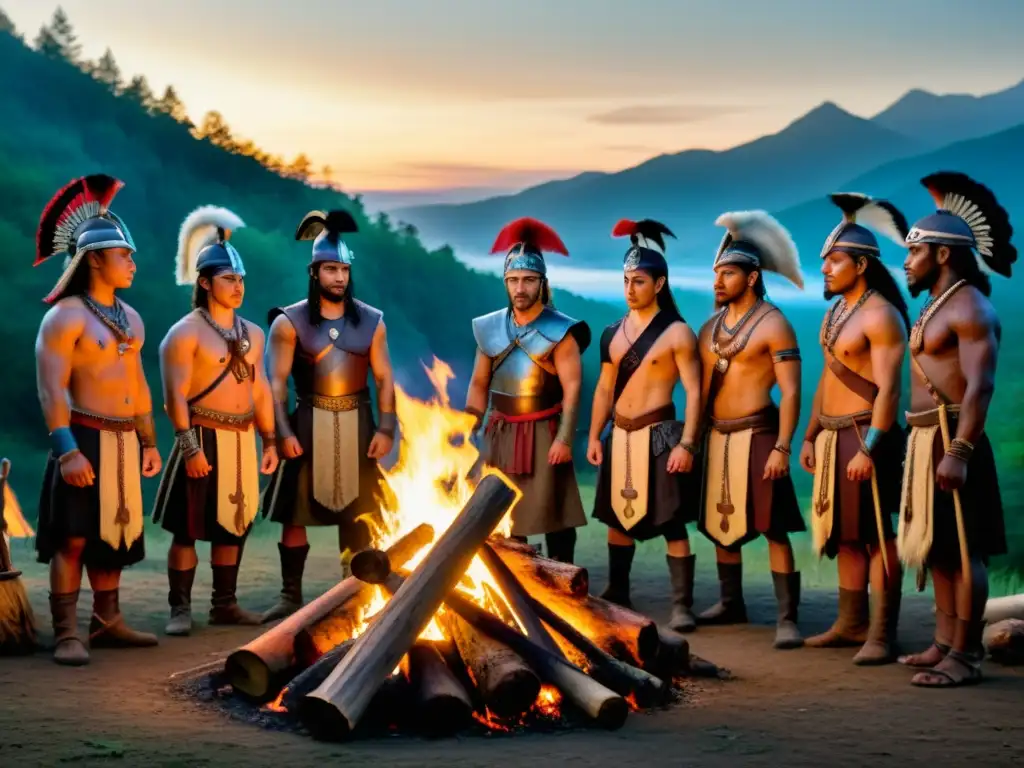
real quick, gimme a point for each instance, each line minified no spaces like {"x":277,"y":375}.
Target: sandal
{"x":939,"y":677}
{"x":928,"y":658}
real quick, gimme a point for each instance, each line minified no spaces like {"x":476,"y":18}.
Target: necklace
{"x":237,"y":339}
{"x":931,"y":306}
{"x":739,"y":343}
{"x":115,"y":318}
{"x":732,"y":331}
{"x":834,"y":326}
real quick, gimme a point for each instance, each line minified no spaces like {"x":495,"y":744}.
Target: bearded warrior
{"x":951,"y":516}
{"x":528,"y":368}
{"x":98,"y":409}
{"x":217,"y":395}
{"x":854,"y":444}
{"x":327,"y":343}
{"x":747,"y":348}
{"x":646,"y":487}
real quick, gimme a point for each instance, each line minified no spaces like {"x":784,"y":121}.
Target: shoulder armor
{"x":554,"y":325}
{"x":289,"y":312}
{"x":490,"y":332}
{"x":606,"y":341}
{"x":357,"y":339}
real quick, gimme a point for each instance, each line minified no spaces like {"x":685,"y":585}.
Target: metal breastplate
{"x":331,"y":358}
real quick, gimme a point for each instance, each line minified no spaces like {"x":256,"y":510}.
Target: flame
{"x":17,"y":526}
{"x":430,"y":483}
{"x":548,"y":701}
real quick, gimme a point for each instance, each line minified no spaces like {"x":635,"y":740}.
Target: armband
{"x":477,"y":415}
{"x":786,"y":355}
{"x":690,"y":448}
{"x":871,"y":439}
{"x":269,"y":439}
{"x":187,"y":442}
{"x":388,"y":421}
{"x":567,"y":426}
{"x":784,"y":450}
{"x":146,"y":430}
{"x":62,"y":442}
{"x":960,"y":449}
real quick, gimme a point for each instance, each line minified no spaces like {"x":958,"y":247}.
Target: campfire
{"x":447,"y":624}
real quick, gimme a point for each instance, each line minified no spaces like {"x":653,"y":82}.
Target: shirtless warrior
{"x":99,"y":412}
{"x":327,"y":343}
{"x":954,"y":346}
{"x":646,"y":487}
{"x":747,"y":348}
{"x":854,"y":445}
{"x":215,"y":389}
{"x":528,"y":365}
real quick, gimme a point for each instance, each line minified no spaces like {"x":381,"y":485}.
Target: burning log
{"x":314,"y":675}
{"x":313,"y":642}
{"x":620,"y":632}
{"x":673,"y":657}
{"x":620,"y":677}
{"x":1004,"y":641}
{"x":333,"y":710}
{"x":443,"y":706}
{"x":506,"y":684}
{"x":606,"y":707}
{"x":525,"y":562}
{"x":260,"y":668}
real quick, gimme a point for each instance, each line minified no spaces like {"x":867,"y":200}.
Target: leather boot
{"x":108,"y":628}
{"x":179,"y":596}
{"x":620,"y":563}
{"x":293,"y":562}
{"x":680,"y":570}
{"x":787,"y":593}
{"x":68,"y":646}
{"x":730,"y":609}
{"x":851,"y":626}
{"x":880,"y":647}
{"x":561,"y":545}
{"x":225,"y":608}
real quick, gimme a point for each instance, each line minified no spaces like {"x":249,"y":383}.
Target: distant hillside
{"x":938,"y":120}
{"x":686,"y":190}
{"x":60,"y":123}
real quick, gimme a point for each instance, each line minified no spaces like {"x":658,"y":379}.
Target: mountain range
{"x":826,"y":150}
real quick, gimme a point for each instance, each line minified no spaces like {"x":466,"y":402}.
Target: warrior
{"x":646,"y":487}
{"x":215,"y":389}
{"x":951,"y":518}
{"x":746,"y":349}
{"x":98,"y":409}
{"x":854,"y":444}
{"x":327,"y":343}
{"x":528,"y":366}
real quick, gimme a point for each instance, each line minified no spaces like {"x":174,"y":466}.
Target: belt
{"x":206,"y":417}
{"x":762,"y":421}
{"x":835,"y":423}
{"x":522,"y":405}
{"x":930,"y":418}
{"x":336,"y":403}
{"x":664,"y":413}
{"x":521,"y":418}
{"x":102,"y":423}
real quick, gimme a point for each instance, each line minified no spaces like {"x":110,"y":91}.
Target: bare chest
{"x":101,"y":347}
{"x":657,"y":361}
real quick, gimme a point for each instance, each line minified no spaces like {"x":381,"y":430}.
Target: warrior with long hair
{"x":747,"y":348}
{"x":329,"y":343}
{"x":951,"y":520}
{"x":217,"y":396}
{"x":528,"y":369}
{"x":854,"y":443}
{"x":99,"y":411}
{"x":646,"y":485}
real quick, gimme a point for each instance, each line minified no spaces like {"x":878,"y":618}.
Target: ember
{"x":454,"y":626}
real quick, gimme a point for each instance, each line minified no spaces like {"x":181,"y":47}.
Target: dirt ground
{"x":781,"y":707}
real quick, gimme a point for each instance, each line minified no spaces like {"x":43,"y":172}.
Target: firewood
{"x":334,"y":709}
{"x":260,"y":668}
{"x":525,"y":562}
{"x":1004,"y":641}
{"x":1009,"y":607}
{"x":314,"y":641}
{"x":517,"y":598}
{"x":314,"y":675}
{"x":443,"y":707}
{"x":673,"y":656}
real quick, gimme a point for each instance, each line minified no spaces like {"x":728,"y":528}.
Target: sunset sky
{"x":415,"y":94}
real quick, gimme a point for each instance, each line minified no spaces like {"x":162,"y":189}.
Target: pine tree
{"x":6,"y":25}
{"x":107,"y":72}
{"x":171,"y":105}
{"x":299,"y":167}
{"x":216,"y":131}
{"x":138,"y":90}
{"x":327,"y":176}
{"x":47,"y":44}
{"x":64,"y":34}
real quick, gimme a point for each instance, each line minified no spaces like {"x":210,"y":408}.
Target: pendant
{"x":333,"y":333}
{"x":721,"y":365}
{"x":244,"y":346}
{"x":122,"y":348}
{"x":725,"y":509}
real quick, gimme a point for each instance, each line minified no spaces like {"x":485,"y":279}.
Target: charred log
{"x":524,"y":561}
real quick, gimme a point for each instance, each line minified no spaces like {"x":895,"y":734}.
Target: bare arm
{"x":263,"y":399}
{"x":280,"y":357}
{"x":688,"y":364}
{"x":479,"y":383}
{"x":785,"y":353}
{"x":978,"y":346}
{"x":601,"y":408}
{"x":703,"y":339}
{"x":59,"y":332}
{"x":177,"y":351}
{"x":888,"y":341}
{"x":569,"y":368}
{"x":145,"y":427}
{"x":383,"y":375}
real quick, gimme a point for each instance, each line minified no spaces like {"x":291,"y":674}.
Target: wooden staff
{"x":965,"y":558}
{"x":878,"y":505}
